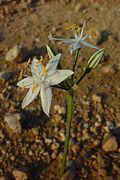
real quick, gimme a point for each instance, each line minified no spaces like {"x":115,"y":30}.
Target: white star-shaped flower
{"x":41,"y":81}
{"x":77,"y":42}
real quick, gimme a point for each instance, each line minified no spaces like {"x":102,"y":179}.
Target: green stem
{"x":83,"y":75}
{"x":68,"y":125}
{"x":75,"y":62}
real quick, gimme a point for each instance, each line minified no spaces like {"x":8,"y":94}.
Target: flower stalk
{"x":70,"y":95}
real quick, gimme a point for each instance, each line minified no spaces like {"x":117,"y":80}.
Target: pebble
{"x":4,"y":178}
{"x":13,"y":121}
{"x":102,"y":172}
{"x":5,"y":76}
{"x":100,"y":161}
{"x":78,"y":7}
{"x":59,"y":109}
{"x":62,"y":136}
{"x":110,"y":125}
{"x":97,"y":124}
{"x":69,"y":175}
{"x":54,"y":154}
{"x":85,"y":125}
{"x":109,"y":143}
{"x":107,"y":69}
{"x":74,"y":149}
{"x":19,"y":175}
{"x":2,"y":136}
{"x":96,"y":98}
{"x":93,"y":129}
{"x":35,"y":131}
{"x":55,"y":146}
{"x":13,"y":53}
{"x":48,"y":141}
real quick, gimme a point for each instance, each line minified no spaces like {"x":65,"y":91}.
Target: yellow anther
{"x":34,"y":87}
{"x":70,"y":26}
{"x":93,"y":32}
{"x":43,"y":68}
{"x":41,"y":58}
{"x":20,"y":75}
{"x":27,"y":64}
{"x":44,"y":71}
{"x":74,"y":27}
{"x":23,"y":87}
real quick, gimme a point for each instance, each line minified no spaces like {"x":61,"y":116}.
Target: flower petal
{"x":75,"y":46}
{"x":36,"y":67}
{"x":65,"y":40}
{"x":52,"y":64}
{"x":58,"y":77}
{"x":89,"y":45}
{"x":46,"y":97}
{"x":26,"y":82}
{"x":30,"y":96}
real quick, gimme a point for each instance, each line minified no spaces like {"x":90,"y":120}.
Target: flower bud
{"x":95,"y":59}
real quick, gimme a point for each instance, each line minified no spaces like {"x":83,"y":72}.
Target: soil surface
{"x":31,"y":144}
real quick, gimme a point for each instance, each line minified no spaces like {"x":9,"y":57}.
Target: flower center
{"x":35,"y":85}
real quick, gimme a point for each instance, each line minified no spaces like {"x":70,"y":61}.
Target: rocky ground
{"x":31,"y":145}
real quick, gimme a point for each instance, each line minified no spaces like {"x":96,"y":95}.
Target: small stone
{"x":107,"y":69}
{"x":96,"y":142}
{"x":19,"y":175}
{"x":69,"y":175}
{"x":85,"y":125}
{"x":102,"y":172}
{"x":97,"y":124}
{"x":109,"y":143}
{"x":13,"y":121}
{"x":54,"y":154}
{"x":96,"y":98}
{"x":35,"y":131}
{"x":4,"y":178}
{"x":5,"y":76}
{"x":93,"y":129}
{"x":48,"y":141}
{"x":78,"y":7}
{"x":110,"y":125}
{"x":2,"y":136}
{"x":74,"y":149}
{"x":62,"y":136}
{"x":13,"y":53}
{"x":100,"y":161}
{"x":30,"y":153}
{"x":55,"y":146}
{"x":59,"y":109}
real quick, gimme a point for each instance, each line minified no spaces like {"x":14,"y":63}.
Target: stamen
{"x":23,"y":87}
{"x":34,"y":87}
{"x":93,"y":33}
{"x":44,"y":71}
{"x":43,"y":68}
{"x":28,"y":63}
{"x":20,"y":75}
{"x":73,"y":27}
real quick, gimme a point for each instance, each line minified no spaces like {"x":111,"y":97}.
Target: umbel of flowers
{"x":43,"y":78}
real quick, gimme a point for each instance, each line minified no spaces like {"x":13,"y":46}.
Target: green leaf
{"x":49,"y":51}
{"x":95,"y":59}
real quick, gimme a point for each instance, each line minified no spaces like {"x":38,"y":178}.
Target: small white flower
{"x":41,"y":81}
{"x":77,"y":42}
